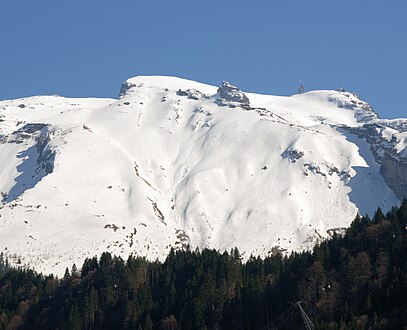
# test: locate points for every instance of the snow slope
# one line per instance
(175, 162)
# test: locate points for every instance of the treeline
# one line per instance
(358, 281)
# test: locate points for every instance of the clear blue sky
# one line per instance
(88, 47)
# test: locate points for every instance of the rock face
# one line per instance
(124, 89)
(38, 158)
(363, 111)
(395, 173)
(230, 93)
(387, 140)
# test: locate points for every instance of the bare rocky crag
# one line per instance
(38, 158)
(393, 165)
(395, 173)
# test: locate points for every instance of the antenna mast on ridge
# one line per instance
(301, 88)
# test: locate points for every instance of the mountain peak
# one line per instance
(175, 162)
(165, 82)
(230, 93)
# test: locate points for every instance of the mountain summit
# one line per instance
(174, 162)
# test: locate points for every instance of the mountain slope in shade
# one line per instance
(174, 162)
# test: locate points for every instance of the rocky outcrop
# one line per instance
(230, 95)
(364, 113)
(37, 160)
(41, 134)
(192, 94)
(386, 140)
(394, 172)
(292, 154)
(124, 89)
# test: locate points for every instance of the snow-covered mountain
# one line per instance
(174, 162)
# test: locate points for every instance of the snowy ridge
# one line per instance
(174, 162)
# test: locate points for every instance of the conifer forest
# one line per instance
(353, 281)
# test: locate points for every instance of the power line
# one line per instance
(285, 314)
(307, 321)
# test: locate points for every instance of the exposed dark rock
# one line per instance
(192, 94)
(394, 172)
(29, 129)
(230, 93)
(292, 154)
(363, 111)
(393, 164)
(37, 160)
(124, 89)
(41, 134)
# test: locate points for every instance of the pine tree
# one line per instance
(67, 275)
